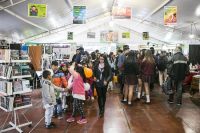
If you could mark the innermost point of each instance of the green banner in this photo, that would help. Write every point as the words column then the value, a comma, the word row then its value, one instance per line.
column 126, row 35
column 70, row 36
column 145, row 35
column 79, row 13
column 37, row 10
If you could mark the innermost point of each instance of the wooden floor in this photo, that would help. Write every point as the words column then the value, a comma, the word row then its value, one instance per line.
column 158, row 117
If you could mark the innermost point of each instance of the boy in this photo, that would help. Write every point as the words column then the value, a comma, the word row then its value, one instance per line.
column 48, row 98
column 59, row 80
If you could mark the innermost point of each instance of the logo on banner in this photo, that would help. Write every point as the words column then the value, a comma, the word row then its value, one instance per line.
column 121, row 12
column 91, row 35
column 145, row 35
column 70, row 36
column 126, row 35
column 109, row 36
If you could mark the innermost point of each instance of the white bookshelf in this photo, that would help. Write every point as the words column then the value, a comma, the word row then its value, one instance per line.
column 22, row 92
column 15, row 61
column 13, row 123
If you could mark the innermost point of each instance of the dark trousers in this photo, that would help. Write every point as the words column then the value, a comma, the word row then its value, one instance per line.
column 78, row 106
column 101, row 92
column 179, row 90
column 121, row 82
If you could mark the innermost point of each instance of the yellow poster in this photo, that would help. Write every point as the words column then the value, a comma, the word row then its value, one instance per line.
column 37, row 10
column 170, row 17
column 126, row 35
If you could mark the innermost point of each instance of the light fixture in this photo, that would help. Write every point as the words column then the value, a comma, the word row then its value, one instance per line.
column 169, row 35
column 111, row 23
column 191, row 35
column 197, row 12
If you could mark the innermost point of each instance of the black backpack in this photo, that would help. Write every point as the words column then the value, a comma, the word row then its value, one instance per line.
column 162, row 64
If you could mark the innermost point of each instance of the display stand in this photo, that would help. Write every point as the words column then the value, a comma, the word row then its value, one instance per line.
column 15, row 122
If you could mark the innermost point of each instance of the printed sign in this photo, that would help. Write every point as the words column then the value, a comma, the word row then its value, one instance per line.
column 126, row 35
column 79, row 13
column 109, row 36
column 70, row 36
column 121, row 12
column 170, row 17
column 37, row 10
column 91, row 35
column 145, row 35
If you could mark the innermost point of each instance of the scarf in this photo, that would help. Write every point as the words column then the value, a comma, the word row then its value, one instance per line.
column 101, row 69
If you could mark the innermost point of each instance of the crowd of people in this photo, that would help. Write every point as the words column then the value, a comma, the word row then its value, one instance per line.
column 136, row 72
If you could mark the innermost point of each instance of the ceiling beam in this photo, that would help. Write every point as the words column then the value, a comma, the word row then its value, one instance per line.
column 186, row 25
column 69, row 3
column 11, row 1
column 19, row 2
column 23, row 19
column 155, row 10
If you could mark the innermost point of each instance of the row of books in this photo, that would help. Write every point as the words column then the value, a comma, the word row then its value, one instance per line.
column 17, row 70
column 16, row 86
column 12, row 102
column 7, row 54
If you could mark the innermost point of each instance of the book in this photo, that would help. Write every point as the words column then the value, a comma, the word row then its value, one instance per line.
column 25, row 69
column 17, row 86
column 14, row 54
column 25, row 85
column 16, row 70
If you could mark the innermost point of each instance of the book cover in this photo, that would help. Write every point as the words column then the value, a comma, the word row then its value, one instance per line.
column 26, row 85
column 17, row 86
column 16, row 70
column 14, row 54
column 2, row 54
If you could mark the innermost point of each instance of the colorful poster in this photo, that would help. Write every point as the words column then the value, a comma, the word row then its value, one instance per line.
column 109, row 36
column 37, row 10
column 70, row 36
column 126, row 35
column 170, row 17
column 121, row 12
column 145, row 35
column 79, row 13
column 91, row 35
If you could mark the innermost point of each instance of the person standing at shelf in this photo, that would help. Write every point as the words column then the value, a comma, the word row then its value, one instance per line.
column 58, row 80
column 48, row 98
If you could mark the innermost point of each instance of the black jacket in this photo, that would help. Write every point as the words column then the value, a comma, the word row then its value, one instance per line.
column 106, row 75
column 178, row 68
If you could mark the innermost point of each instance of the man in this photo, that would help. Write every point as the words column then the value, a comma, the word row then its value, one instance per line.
column 120, row 65
column 78, row 56
column 177, row 73
column 74, row 57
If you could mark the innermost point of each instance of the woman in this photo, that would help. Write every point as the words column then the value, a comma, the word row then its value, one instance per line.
column 147, row 69
column 111, row 61
column 140, row 84
column 131, row 71
column 102, row 75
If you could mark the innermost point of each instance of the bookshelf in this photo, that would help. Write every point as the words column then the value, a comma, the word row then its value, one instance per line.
column 14, row 86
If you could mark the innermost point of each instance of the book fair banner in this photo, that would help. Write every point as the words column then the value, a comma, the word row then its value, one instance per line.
column 121, row 12
column 109, row 36
column 37, row 10
column 126, row 35
column 91, row 35
column 145, row 35
column 79, row 14
column 170, row 17
column 70, row 36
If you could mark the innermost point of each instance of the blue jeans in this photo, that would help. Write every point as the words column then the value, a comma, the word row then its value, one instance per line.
column 58, row 108
column 179, row 91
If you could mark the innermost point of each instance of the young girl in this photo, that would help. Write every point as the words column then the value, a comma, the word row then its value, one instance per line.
column 78, row 93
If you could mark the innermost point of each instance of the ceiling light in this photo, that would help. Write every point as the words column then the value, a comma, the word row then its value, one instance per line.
column 111, row 23
column 191, row 36
column 168, row 36
column 198, row 11
column 104, row 5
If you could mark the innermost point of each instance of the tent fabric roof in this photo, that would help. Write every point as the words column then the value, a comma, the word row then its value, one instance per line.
column 147, row 15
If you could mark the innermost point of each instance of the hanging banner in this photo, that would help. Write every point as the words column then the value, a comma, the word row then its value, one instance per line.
column 121, row 12
column 70, row 36
column 109, row 36
column 37, row 10
column 170, row 17
column 79, row 13
column 145, row 35
column 126, row 35
column 91, row 35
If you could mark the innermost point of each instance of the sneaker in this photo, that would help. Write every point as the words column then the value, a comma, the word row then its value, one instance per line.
column 170, row 101
column 124, row 101
column 71, row 119
column 179, row 104
column 82, row 121
column 60, row 117
column 50, row 126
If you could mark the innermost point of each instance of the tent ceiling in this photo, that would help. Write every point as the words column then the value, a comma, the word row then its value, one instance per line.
column 147, row 15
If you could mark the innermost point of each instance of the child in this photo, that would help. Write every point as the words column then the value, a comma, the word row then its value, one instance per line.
column 59, row 80
column 48, row 98
column 78, row 93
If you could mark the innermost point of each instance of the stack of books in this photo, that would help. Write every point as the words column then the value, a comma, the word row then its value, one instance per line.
column 7, row 103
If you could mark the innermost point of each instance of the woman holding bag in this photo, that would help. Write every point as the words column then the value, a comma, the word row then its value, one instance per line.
column 102, row 75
